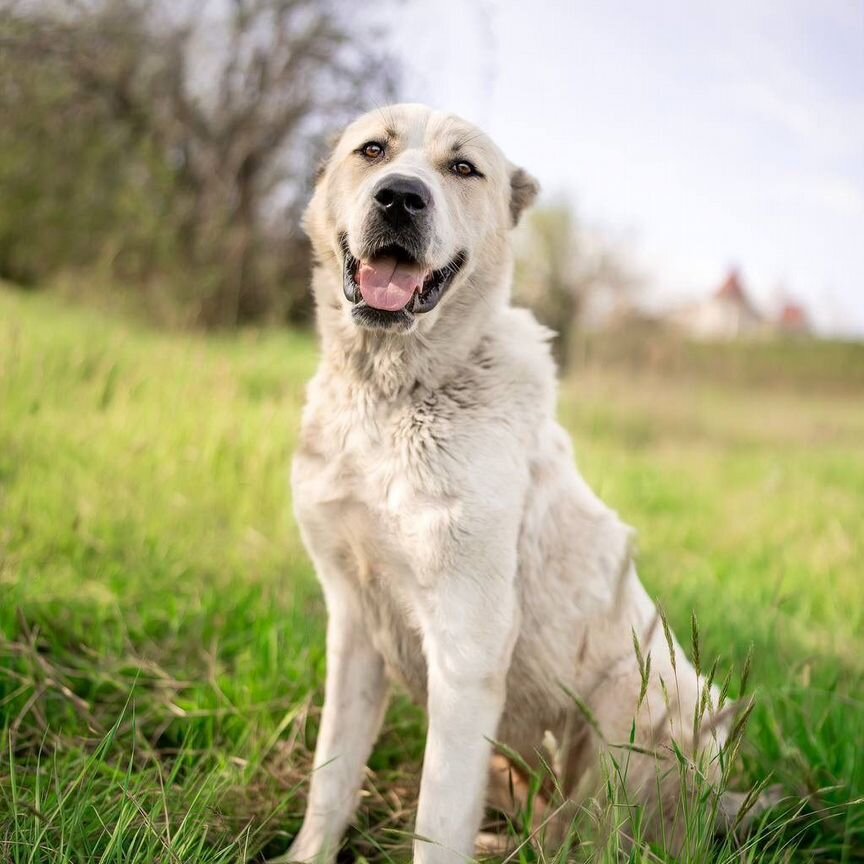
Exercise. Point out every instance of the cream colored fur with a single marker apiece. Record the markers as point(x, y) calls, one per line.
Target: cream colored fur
point(460, 552)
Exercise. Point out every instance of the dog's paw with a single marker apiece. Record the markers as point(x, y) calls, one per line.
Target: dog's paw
point(304, 853)
point(487, 843)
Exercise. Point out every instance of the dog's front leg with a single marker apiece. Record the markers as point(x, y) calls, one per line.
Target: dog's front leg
point(468, 639)
point(354, 704)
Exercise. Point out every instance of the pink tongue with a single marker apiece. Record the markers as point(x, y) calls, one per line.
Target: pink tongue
point(387, 284)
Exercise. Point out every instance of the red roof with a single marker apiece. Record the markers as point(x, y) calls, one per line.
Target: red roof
point(793, 317)
point(732, 289)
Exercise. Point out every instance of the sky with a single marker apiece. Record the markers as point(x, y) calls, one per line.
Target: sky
point(709, 135)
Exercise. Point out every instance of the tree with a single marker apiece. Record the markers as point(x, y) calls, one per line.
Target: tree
point(215, 113)
point(563, 269)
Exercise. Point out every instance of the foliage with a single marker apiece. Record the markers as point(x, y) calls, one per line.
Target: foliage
point(173, 143)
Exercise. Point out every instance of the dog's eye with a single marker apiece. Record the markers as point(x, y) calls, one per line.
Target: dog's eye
point(464, 169)
point(372, 150)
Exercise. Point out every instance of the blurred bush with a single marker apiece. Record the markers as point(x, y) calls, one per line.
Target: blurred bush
point(572, 275)
point(637, 345)
point(168, 147)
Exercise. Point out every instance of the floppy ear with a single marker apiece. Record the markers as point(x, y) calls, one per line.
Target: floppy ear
point(523, 191)
point(315, 206)
point(329, 146)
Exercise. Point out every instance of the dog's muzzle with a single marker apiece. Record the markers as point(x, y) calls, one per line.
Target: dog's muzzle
point(390, 283)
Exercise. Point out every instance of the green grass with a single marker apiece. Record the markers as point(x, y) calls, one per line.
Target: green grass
point(161, 633)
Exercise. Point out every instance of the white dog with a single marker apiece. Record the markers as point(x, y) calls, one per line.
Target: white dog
point(460, 551)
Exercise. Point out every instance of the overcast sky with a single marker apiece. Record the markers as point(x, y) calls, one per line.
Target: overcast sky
point(710, 134)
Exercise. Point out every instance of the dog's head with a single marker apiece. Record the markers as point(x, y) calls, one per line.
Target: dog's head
point(410, 202)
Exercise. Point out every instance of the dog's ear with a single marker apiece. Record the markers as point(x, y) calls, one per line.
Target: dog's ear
point(315, 205)
point(523, 190)
point(330, 143)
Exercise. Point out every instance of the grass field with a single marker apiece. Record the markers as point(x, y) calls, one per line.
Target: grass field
point(161, 634)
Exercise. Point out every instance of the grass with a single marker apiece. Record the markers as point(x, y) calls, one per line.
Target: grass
point(161, 633)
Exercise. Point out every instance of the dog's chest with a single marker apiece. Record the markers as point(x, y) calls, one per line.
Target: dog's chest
point(372, 494)
point(380, 475)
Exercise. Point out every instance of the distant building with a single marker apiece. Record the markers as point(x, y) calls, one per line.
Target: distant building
point(793, 319)
point(727, 314)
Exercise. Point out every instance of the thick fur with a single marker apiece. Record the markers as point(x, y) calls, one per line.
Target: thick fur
point(460, 551)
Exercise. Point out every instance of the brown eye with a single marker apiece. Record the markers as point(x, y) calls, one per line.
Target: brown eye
point(464, 168)
point(372, 150)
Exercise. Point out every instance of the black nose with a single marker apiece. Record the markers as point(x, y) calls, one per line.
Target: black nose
point(401, 199)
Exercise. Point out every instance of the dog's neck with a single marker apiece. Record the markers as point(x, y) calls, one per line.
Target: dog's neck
point(391, 364)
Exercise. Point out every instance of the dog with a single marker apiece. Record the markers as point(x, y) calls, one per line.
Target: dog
point(460, 552)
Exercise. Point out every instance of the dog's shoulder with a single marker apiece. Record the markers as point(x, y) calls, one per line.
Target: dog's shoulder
point(521, 347)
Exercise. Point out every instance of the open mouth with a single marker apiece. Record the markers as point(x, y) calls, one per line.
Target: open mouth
point(391, 286)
